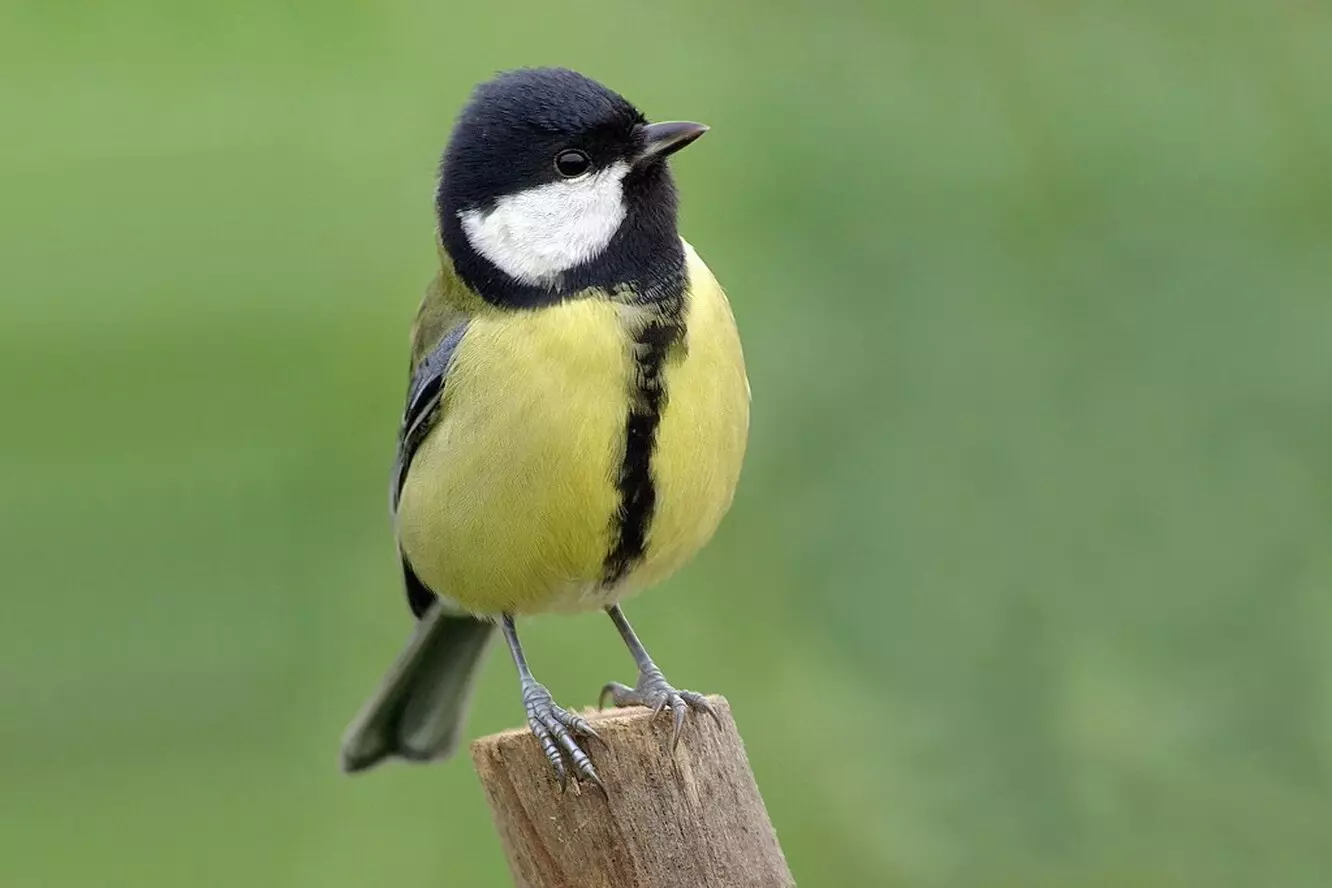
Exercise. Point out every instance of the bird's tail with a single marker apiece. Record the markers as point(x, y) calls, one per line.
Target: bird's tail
point(417, 713)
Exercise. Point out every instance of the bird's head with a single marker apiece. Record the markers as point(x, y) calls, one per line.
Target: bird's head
point(552, 184)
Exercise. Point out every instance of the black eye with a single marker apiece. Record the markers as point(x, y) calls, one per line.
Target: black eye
point(572, 163)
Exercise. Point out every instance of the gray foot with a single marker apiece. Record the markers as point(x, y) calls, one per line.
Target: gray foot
point(558, 730)
point(653, 691)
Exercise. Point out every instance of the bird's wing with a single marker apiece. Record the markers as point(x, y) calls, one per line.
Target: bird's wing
point(441, 323)
point(422, 409)
point(419, 416)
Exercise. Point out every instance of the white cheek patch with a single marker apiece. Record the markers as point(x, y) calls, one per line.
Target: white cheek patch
point(535, 235)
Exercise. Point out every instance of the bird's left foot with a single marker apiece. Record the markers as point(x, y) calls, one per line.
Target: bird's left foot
point(654, 692)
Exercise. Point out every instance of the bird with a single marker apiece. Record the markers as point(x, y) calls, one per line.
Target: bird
point(577, 409)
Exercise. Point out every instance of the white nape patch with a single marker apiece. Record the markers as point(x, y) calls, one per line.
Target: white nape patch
point(535, 235)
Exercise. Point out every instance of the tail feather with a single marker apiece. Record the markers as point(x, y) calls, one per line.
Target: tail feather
point(417, 713)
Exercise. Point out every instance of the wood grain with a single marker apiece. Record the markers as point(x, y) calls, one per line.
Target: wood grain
point(688, 821)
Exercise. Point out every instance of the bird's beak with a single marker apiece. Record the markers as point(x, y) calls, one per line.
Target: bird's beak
point(663, 139)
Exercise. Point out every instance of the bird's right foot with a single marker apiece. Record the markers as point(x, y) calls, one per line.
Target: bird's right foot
point(558, 731)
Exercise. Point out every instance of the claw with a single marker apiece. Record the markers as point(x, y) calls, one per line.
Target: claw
point(679, 708)
point(698, 701)
point(591, 775)
point(615, 691)
point(653, 691)
point(554, 728)
point(583, 729)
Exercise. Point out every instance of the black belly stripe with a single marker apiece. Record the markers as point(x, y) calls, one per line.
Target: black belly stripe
point(647, 397)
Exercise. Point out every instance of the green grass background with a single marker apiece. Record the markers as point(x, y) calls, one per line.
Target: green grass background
point(1029, 581)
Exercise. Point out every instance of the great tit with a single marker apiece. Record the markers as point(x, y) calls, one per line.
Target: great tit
point(577, 410)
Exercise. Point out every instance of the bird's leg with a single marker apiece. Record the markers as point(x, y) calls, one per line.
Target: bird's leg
point(652, 690)
point(555, 727)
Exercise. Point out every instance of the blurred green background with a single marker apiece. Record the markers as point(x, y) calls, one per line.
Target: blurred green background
point(1028, 580)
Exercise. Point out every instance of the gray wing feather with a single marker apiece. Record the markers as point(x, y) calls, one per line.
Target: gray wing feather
point(423, 394)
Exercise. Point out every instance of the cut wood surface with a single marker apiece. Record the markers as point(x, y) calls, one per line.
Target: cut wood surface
point(690, 820)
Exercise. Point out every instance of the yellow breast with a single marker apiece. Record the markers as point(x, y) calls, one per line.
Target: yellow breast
point(509, 503)
point(508, 500)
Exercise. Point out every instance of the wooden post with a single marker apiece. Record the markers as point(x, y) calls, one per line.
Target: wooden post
point(691, 821)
